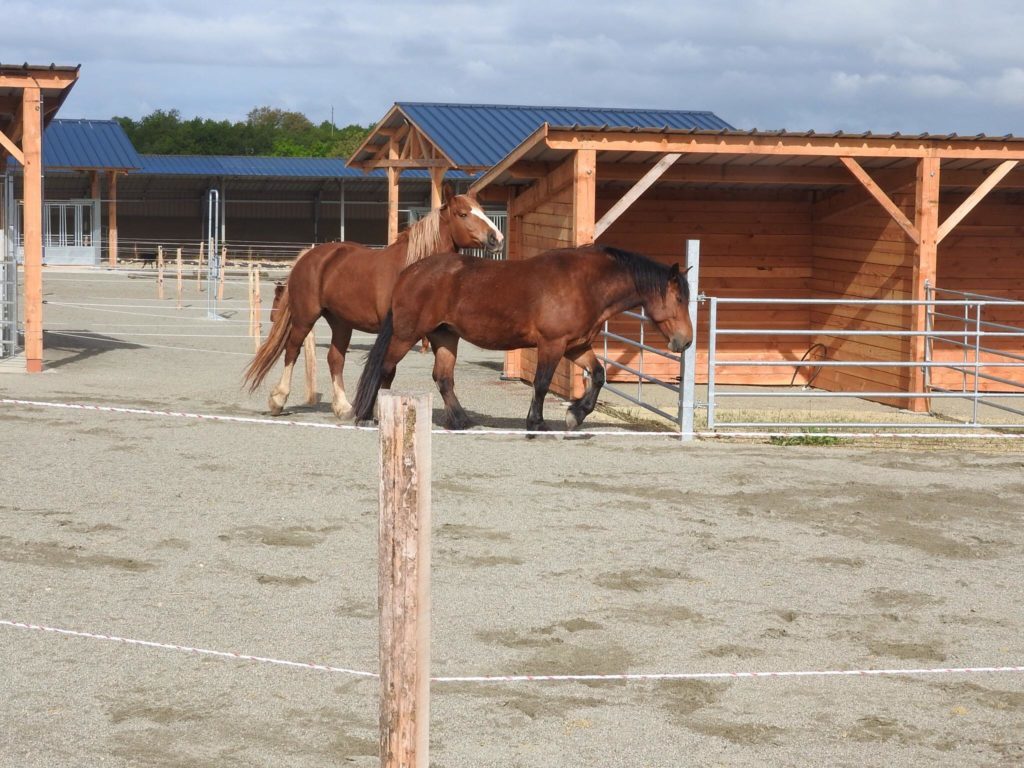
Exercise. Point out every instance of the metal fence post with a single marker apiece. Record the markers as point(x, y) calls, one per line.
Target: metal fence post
point(688, 361)
point(712, 340)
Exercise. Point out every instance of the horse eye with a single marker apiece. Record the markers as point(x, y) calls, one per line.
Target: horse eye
point(464, 215)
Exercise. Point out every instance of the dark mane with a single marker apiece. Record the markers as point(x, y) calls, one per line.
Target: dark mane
point(649, 276)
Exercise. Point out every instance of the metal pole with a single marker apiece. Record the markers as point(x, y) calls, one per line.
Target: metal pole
point(213, 251)
point(712, 340)
point(929, 322)
point(688, 363)
point(977, 362)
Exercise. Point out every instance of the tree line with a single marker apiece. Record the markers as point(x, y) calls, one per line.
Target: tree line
point(265, 131)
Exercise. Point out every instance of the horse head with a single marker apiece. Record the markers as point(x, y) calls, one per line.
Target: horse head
point(669, 310)
point(469, 225)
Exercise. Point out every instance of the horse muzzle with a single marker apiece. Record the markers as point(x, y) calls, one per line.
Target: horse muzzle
point(679, 344)
point(494, 242)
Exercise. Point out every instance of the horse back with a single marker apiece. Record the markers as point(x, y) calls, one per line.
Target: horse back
point(499, 304)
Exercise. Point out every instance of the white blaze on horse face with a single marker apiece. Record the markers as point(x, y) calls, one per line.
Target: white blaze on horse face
point(477, 211)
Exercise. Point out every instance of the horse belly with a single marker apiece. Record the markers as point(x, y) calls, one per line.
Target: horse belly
point(494, 334)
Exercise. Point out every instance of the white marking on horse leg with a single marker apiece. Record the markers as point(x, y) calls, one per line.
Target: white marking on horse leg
point(339, 403)
point(279, 394)
point(479, 212)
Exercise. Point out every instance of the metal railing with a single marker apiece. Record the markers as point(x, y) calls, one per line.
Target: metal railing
point(642, 377)
point(971, 340)
point(978, 338)
point(8, 270)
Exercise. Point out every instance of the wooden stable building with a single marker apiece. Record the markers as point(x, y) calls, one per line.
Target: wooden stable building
point(781, 214)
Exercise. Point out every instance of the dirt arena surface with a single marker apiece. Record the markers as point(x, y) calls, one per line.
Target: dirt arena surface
point(597, 555)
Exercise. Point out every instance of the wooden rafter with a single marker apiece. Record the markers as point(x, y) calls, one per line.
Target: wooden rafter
point(884, 200)
point(634, 192)
point(974, 198)
point(12, 149)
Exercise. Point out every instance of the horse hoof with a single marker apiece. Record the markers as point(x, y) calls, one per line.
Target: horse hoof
point(572, 420)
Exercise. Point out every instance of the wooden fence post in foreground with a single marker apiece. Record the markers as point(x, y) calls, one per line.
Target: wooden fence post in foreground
point(404, 580)
point(179, 278)
point(160, 272)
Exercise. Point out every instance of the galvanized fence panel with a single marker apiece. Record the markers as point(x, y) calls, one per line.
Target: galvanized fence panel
point(8, 269)
point(972, 338)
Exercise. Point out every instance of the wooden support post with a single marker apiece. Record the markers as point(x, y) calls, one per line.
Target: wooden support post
point(112, 221)
point(258, 302)
point(179, 278)
point(32, 226)
point(436, 185)
point(159, 271)
point(584, 198)
point(223, 270)
point(199, 267)
point(392, 205)
point(252, 298)
point(926, 215)
point(404, 580)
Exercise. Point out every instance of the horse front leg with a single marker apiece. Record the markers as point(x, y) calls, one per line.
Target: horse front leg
point(446, 352)
point(580, 409)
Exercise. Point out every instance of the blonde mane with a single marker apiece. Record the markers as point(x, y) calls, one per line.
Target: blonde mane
point(424, 237)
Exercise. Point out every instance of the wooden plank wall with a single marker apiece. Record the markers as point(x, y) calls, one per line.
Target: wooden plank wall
point(752, 245)
point(862, 253)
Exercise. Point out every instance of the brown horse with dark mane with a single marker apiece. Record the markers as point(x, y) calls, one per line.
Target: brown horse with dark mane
point(555, 302)
point(350, 285)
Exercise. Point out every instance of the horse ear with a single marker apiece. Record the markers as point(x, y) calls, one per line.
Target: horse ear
point(673, 272)
point(447, 193)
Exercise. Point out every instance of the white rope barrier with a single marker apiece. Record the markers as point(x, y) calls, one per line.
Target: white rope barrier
point(485, 432)
point(568, 678)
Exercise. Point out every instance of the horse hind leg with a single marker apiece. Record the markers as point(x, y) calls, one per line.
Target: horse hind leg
point(279, 394)
point(579, 409)
point(341, 335)
point(446, 350)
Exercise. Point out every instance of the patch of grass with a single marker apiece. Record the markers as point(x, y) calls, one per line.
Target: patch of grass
point(812, 437)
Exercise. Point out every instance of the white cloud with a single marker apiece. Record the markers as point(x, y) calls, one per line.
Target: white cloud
point(931, 65)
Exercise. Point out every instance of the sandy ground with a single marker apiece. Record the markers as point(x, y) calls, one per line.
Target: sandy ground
point(596, 555)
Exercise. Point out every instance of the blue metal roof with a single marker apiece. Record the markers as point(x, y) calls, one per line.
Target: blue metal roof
point(87, 144)
point(262, 167)
point(481, 135)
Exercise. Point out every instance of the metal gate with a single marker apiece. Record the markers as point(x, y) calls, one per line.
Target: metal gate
point(8, 269)
point(990, 353)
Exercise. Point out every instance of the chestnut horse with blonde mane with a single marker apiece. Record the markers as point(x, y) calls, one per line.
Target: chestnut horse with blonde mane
point(350, 286)
point(555, 303)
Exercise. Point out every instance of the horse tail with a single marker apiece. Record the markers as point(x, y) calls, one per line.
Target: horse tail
point(273, 345)
point(369, 380)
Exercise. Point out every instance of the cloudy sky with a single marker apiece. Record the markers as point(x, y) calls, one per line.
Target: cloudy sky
point(908, 65)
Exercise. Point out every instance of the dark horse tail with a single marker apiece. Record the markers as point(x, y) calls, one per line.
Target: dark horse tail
point(272, 347)
point(369, 381)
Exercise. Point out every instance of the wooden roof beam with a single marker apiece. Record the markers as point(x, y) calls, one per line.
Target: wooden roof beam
point(798, 146)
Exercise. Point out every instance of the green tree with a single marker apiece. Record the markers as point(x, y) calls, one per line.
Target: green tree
point(265, 131)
